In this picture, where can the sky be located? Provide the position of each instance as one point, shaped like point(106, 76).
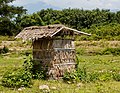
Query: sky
point(61, 4)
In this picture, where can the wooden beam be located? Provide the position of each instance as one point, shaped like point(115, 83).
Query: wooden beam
point(56, 32)
point(79, 32)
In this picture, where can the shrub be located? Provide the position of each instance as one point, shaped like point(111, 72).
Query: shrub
point(103, 31)
point(80, 51)
point(74, 76)
point(23, 76)
point(4, 50)
point(113, 51)
point(17, 78)
point(1, 50)
point(70, 77)
point(105, 76)
point(37, 71)
point(82, 74)
point(27, 53)
point(93, 76)
point(116, 76)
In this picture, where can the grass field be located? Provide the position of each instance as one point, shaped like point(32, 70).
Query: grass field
point(92, 63)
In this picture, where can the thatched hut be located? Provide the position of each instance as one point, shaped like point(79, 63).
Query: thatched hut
point(53, 47)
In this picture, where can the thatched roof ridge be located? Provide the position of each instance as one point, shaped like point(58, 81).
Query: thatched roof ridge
point(35, 32)
point(44, 27)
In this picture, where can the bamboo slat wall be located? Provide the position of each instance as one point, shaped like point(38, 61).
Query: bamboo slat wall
point(42, 49)
point(57, 55)
point(66, 44)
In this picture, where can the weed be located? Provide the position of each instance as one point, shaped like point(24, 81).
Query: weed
point(80, 51)
point(70, 77)
point(116, 76)
point(113, 51)
point(4, 50)
point(37, 71)
point(16, 78)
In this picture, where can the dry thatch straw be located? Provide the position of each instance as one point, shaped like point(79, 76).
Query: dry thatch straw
point(35, 32)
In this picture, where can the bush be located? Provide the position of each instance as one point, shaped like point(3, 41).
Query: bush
point(116, 76)
point(103, 31)
point(37, 71)
point(4, 50)
point(71, 77)
point(74, 76)
point(80, 51)
point(23, 76)
point(27, 53)
point(82, 74)
point(105, 76)
point(17, 78)
point(113, 51)
point(93, 76)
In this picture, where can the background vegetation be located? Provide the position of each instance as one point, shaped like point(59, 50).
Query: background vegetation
point(102, 24)
point(97, 72)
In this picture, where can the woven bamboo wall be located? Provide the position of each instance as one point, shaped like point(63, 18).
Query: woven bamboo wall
point(43, 52)
point(56, 55)
point(64, 57)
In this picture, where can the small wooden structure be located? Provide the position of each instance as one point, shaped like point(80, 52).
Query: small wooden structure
point(53, 47)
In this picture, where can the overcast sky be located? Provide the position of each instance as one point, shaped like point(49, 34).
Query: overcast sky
point(85, 4)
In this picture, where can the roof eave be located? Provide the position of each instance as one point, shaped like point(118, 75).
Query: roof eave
point(78, 32)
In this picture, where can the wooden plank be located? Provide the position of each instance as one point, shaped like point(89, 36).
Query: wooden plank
point(43, 50)
point(64, 64)
point(64, 49)
point(43, 59)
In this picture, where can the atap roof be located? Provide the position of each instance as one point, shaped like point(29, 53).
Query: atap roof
point(49, 31)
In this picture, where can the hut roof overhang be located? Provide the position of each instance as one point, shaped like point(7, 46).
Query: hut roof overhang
point(49, 31)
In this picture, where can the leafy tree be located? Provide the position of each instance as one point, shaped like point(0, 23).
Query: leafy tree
point(49, 16)
point(102, 23)
point(118, 17)
point(31, 20)
point(8, 15)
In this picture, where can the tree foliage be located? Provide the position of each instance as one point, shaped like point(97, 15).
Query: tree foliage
point(8, 15)
point(103, 24)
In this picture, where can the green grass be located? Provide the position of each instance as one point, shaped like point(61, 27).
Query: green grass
point(10, 61)
point(98, 87)
point(92, 63)
point(104, 62)
point(97, 47)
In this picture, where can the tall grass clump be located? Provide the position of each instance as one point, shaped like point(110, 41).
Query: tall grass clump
point(116, 76)
point(80, 51)
point(4, 50)
point(113, 51)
